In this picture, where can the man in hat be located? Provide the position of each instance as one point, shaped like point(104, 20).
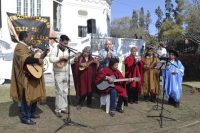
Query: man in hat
point(84, 71)
point(133, 68)
point(172, 79)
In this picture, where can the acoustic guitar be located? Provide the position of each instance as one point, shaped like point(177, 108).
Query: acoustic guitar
point(105, 84)
point(36, 70)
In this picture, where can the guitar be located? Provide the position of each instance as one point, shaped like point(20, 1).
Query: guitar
point(105, 84)
point(81, 68)
point(36, 70)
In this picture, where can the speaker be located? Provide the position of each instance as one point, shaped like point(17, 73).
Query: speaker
point(91, 26)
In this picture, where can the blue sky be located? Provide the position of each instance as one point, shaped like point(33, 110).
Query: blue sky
point(122, 8)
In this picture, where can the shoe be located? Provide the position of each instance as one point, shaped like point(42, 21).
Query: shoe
point(58, 114)
point(78, 107)
point(136, 102)
point(64, 111)
point(28, 122)
point(35, 116)
point(120, 110)
point(112, 113)
point(177, 105)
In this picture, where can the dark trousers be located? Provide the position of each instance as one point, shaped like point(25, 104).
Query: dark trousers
point(132, 94)
point(26, 111)
point(82, 99)
point(113, 96)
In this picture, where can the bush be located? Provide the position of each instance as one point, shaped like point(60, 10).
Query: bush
point(191, 62)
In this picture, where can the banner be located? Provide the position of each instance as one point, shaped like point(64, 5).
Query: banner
point(37, 26)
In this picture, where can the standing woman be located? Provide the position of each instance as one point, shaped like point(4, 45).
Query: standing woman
point(84, 72)
point(172, 79)
point(151, 86)
point(133, 68)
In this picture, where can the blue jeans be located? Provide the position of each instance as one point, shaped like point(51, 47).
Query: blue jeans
point(113, 95)
point(26, 111)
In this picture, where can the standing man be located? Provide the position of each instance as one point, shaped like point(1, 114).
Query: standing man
point(172, 79)
point(106, 54)
point(24, 89)
point(59, 57)
point(161, 51)
point(133, 68)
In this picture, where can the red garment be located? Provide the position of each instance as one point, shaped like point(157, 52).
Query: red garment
point(121, 91)
point(84, 80)
point(134, 69)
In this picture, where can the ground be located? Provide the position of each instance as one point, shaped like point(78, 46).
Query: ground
point(134, 120)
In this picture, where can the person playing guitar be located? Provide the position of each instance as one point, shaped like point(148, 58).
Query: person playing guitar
point(84, 72)
point(117, 90)
point(59, 57)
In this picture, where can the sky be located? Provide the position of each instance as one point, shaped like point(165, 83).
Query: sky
point(124, 8)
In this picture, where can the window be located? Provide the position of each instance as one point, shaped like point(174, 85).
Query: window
point(38, 7)
point(25, 7)
point(19, 7)
point(82, 31)
point(56, 16)
point(32, 7)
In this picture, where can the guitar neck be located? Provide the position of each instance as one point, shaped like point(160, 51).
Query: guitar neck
point(126, 79)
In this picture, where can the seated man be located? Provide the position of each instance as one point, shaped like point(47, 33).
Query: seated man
point(117, 90)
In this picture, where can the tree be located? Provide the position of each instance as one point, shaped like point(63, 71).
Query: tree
point(159, 13)
point(141, 18)
point(121, 27)
point(134, 21)
point(147, 20)
point(168, 8)
point(178, 12)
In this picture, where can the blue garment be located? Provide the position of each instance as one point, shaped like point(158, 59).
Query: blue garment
point(172, 84)
point(103, 54)
point(113, 95)
point(27, 111)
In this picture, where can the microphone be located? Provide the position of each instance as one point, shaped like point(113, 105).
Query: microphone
point(164, 58)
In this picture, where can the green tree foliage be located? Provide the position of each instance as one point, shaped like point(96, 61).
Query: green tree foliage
point(169, 8)
point(178, 12)
point(193, 21)
point(170, 30)
point(121, 27)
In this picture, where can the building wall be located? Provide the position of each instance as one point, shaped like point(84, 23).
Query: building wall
point(70, 19)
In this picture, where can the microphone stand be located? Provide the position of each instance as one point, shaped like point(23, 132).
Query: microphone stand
point(156, 107)
point(161, 116)
point(68, 121)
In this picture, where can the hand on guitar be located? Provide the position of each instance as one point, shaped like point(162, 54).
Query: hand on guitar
point(110, 79)
point(40, 61)
point(63, 58)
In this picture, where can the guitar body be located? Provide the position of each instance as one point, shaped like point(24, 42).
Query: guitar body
point(35, 70)
point(105, 84)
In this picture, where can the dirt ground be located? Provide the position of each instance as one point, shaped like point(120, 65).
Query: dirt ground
point(134, 120)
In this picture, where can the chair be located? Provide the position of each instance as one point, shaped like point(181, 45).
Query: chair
point(105, 100)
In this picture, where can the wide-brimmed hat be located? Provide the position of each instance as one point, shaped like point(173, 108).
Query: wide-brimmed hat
point(173, 52)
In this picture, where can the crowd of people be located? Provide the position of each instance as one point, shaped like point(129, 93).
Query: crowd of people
point(90, 71)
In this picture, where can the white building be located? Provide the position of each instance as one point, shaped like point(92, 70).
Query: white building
point(66, 16)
